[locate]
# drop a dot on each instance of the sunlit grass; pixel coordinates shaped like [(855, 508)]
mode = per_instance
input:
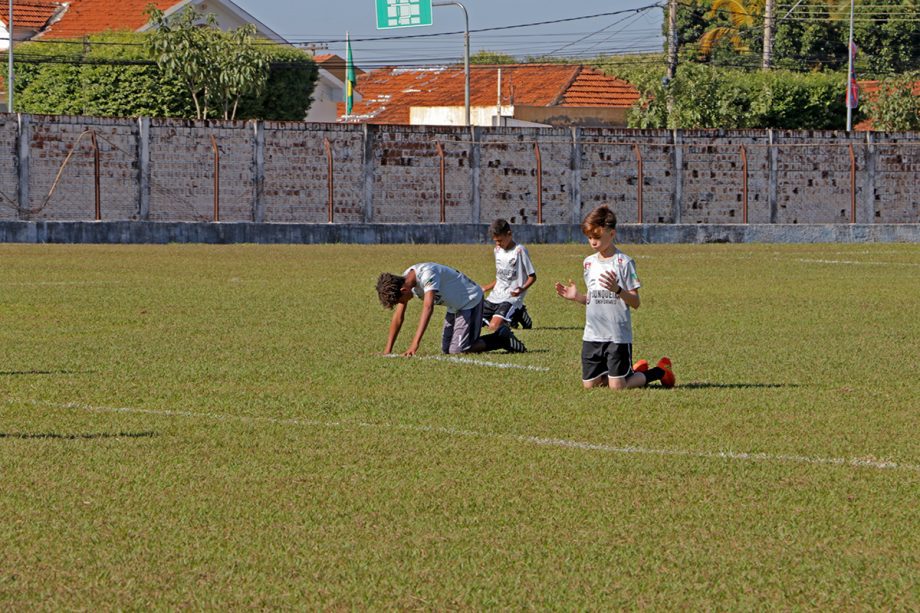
[(213, 427)]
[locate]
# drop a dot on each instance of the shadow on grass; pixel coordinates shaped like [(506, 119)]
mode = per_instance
[(17, 373), (701, 385), (76, 437)]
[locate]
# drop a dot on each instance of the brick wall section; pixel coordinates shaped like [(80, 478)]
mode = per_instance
[(407, 183), (391, 174), (296, 187), (813, 170), (72, 193), (508, 170), (9, 177), (610, 173), (182, 170), (896, 196), (714, 173)]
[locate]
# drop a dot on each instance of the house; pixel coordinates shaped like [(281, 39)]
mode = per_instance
[(500, 95), (329, 91), (70, 19)]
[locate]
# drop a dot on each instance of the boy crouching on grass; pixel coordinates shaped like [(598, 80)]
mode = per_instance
[(437, 284), (613, 289), (514, 274)]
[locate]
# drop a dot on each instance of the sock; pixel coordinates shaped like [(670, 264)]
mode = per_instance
[(653, 374)]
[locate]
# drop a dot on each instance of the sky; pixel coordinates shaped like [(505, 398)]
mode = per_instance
[(324, 23)]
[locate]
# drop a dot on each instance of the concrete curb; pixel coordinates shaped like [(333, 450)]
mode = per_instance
[(148, 232)]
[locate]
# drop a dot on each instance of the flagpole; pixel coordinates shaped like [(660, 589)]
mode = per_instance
[(9, 72), (850, 75), (349, 76)]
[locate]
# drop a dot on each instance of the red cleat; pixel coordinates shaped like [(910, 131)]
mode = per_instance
[(668, 380), (640, 366)]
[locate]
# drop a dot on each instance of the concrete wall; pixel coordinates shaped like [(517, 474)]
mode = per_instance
[(164, 170), (448, 233)]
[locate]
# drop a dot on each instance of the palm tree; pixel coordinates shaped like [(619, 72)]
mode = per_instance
[(741, 14)]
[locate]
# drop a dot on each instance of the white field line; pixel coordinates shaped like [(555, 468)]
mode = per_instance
[(857, 262), (18, 283), (867, 462), (462, 360)]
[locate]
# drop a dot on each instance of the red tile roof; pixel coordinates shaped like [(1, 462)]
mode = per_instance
[(390, 92), (33, 15), (85, 17)]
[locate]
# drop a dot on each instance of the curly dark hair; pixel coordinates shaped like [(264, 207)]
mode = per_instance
[(601, 217), (389, 289)]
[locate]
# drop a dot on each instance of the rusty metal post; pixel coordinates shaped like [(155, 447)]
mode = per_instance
[(852, 184), (330, 182), (640, 181), (744, 185), (96, 175), (443, 194), (536, 150), (216, 150)]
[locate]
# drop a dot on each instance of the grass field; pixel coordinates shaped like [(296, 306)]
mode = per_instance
[(213, 427)]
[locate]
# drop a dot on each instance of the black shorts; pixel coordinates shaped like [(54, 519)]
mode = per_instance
[(491, 309), (599, 359)]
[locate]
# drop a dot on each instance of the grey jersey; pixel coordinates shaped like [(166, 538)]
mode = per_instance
[(607, 317), (512, 267), (451, 288)]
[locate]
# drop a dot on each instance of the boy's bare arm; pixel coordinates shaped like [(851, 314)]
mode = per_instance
[(423, 319), (570, 292), (396, 322), (488, 287), (531, 279)]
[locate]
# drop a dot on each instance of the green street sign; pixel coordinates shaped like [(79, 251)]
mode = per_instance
[(403, 13)]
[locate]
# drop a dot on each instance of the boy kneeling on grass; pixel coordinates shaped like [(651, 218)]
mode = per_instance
[(613, 289), (437, 284)]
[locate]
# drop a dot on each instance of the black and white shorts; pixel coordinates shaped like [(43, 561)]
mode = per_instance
[(490, 309), (605, 359)]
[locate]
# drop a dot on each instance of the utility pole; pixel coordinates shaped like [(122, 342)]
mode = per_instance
[(672, 39), (466, 55), (768, 35), (851, 84)]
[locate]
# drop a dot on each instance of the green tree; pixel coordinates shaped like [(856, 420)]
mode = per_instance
[(492, 57), (218, 68), (711, 97), (114, 75), (896, 108), (107, 74)]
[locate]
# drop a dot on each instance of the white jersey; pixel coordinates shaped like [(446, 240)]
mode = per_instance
[(512, 267), (607, 317), (451, 288)]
